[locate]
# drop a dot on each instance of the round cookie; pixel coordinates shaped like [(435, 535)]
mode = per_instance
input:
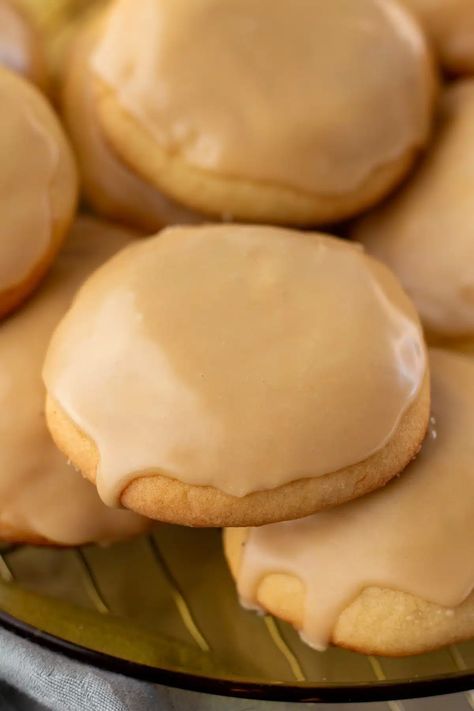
[(241, 110), (390, 573), (108, 185), (20, 44), (43, 500), (425, 233), (199, 376), (59, 21), (450, 26), (38, 188)]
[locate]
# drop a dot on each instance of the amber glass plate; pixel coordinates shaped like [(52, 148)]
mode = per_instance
[(164, 608)]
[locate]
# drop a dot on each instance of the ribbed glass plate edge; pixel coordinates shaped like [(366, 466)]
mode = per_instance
[(297, 691)]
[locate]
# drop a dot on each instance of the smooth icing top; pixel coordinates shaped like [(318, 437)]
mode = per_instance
[(450, 25), (414, 535), (19, 45), (30, 154), (39, 492), (263, 90), (425, 233), (238, 357), (121, 193)]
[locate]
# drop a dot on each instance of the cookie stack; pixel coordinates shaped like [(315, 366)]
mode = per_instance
[(240, 368), (43, 501)]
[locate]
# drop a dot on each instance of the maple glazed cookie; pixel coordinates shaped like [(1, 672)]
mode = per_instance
[(38, 188), (223, 374), (425, 233), (42, 498), (391, 573), (240, 109), (59, 21), (450, 26), (109, 186), (20, 43)]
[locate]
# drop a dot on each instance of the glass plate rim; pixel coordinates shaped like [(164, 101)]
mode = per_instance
[(241, 688)]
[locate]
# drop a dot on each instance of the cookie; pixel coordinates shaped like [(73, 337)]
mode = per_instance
[(43, 500), (425, 233), (109, 186), (38, 188), (20, 44), (242, 110), (450, 27), (390, 573), (59, 21), (238, 373)]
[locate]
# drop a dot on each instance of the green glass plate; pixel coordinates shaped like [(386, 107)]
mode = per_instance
[(163, 607)]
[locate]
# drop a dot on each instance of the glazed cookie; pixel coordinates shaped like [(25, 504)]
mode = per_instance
[(20, 44), (109, 186), (390, 573), (450, 26), (425, 233), (225, 374), (59, 21), (241, 109), (38, 188), (43, 500)]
